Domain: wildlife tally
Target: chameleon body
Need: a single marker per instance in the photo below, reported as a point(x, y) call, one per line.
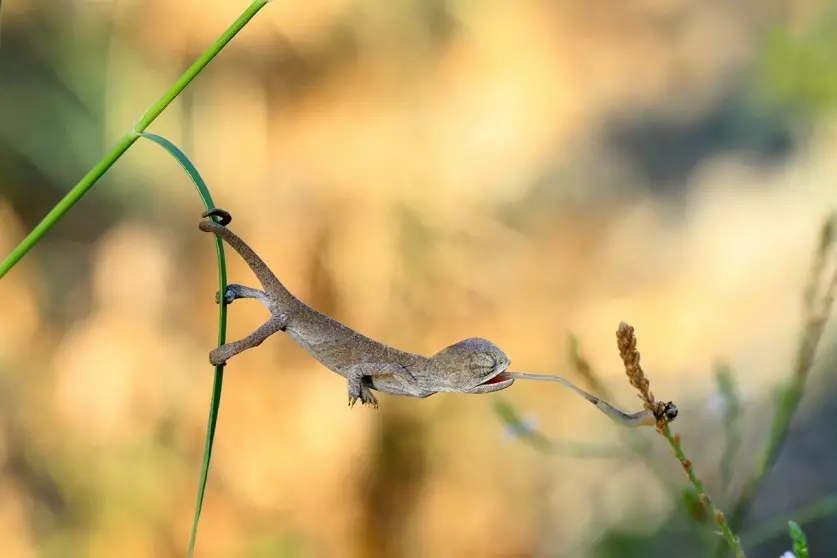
point(473, 365)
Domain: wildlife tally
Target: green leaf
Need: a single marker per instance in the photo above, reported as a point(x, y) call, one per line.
point(800, 542)
point(218, 380)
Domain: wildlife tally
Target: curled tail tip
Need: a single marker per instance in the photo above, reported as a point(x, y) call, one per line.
point(224, 217)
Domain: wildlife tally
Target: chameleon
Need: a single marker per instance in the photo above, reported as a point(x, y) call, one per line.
point(473, 365)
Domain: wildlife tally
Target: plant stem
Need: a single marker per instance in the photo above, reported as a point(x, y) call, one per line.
point(218, 381)
point(717, 515)
point(626, 341)
point(790, 396)
point(127, 140)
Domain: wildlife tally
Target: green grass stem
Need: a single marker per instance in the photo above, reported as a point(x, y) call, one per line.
point(218, 380)
point(89, 179)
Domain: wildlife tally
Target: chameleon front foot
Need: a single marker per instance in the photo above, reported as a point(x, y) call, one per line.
point(234, 292)
point(229, 296)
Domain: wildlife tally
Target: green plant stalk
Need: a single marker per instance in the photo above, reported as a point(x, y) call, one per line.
point(717, 515)
point(217, 385)
point(89, 179)
point(790, 397)
point(218, 380)
point(641, 446)
point(214, 405)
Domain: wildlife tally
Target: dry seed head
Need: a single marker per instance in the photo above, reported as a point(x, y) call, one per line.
point(626, 341)
point(704, 499)
point(719, 517)
point(687, 464)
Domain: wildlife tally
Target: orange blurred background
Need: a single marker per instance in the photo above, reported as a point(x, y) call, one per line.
point(424, 171)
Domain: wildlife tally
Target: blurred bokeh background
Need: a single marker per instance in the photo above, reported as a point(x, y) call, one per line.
point(425, 171)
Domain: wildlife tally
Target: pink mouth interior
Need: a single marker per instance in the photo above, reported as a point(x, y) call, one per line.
point(501, 377)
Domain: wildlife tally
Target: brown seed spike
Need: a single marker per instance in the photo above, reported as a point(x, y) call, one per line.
point(665, 412)
point(626, 342)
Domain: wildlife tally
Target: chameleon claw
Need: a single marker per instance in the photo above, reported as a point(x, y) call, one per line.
point(367, 398)
point(364, 396)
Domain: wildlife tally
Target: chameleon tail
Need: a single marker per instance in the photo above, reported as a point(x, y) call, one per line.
point(272, 286)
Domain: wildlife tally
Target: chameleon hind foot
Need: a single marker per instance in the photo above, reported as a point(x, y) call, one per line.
point(359, 391)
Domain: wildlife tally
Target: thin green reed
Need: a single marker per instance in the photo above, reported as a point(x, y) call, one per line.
point(218, 380)
point(89, 179)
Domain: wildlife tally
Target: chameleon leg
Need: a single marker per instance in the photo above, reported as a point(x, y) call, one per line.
point(235, 292)
point(359, 390)
point(220, 355)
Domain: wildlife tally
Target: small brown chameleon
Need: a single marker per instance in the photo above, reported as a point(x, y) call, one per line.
point(470, 366)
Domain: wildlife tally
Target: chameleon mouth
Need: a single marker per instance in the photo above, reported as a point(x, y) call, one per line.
point(500, 378)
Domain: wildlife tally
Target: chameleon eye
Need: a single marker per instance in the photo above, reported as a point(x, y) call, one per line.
point(485, 360)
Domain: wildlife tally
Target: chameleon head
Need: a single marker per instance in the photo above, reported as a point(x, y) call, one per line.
point(472, 366)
